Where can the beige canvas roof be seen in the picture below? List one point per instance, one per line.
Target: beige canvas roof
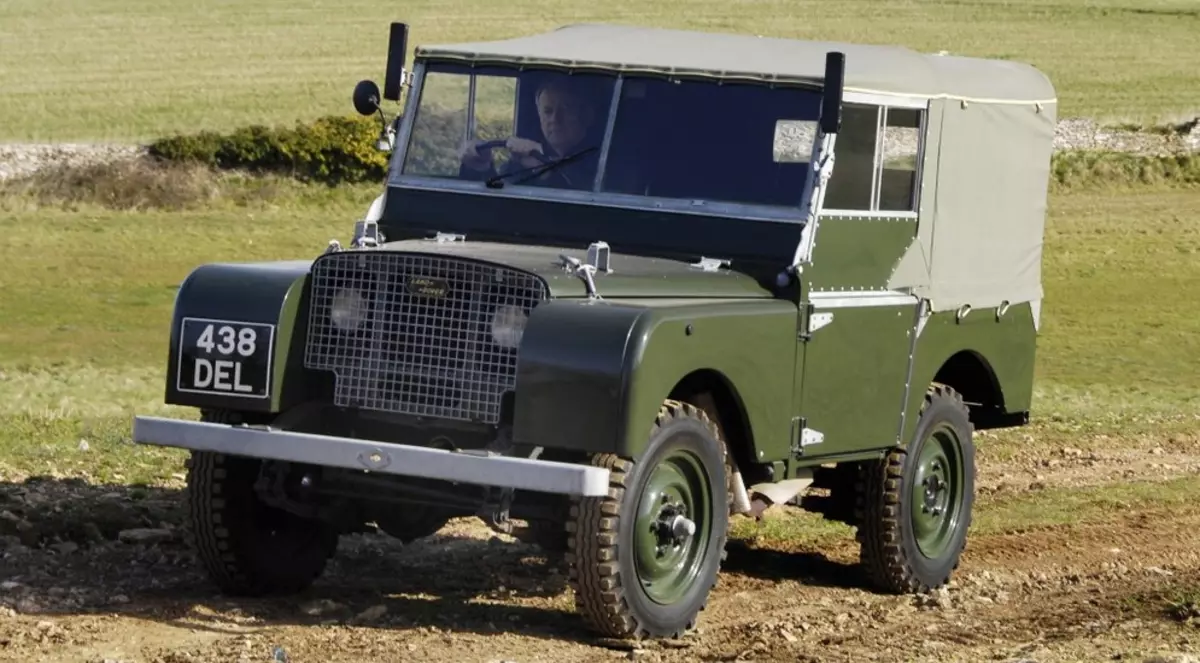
(869, 68)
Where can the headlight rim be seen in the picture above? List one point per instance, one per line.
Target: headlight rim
(358, 315)
(517, 319)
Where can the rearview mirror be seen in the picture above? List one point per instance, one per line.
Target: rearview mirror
(366, 97)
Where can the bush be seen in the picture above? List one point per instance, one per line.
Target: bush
(331, 149)
(1084, 169)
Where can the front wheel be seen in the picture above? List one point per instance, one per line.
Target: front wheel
(915, 504)
(249, 548)
(643, 560)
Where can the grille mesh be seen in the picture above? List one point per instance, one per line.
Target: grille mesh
(426, 346)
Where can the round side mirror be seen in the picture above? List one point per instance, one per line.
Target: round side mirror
(366, 97)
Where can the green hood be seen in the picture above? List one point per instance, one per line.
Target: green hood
(631, 276)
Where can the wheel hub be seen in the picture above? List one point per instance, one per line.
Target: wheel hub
(671, 527)
(935, 488)
(937, 492)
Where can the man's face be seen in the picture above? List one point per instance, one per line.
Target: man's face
(565, 118)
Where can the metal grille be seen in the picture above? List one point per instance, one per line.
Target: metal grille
(425, 345)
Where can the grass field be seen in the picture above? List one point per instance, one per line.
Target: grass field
(89, 292)
(123, 70)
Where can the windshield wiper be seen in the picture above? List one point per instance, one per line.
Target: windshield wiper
(497, 181)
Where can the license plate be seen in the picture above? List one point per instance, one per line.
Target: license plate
(226, 357)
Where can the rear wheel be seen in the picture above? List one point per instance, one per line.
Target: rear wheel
(915, 505)
(248, 547)
(643, 559)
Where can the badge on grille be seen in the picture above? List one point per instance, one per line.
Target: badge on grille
(428, 287)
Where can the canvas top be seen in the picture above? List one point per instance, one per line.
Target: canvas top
(659, 51)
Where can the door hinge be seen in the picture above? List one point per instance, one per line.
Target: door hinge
(813, 321)
(803, 436)
(809, 437)
(818, 320)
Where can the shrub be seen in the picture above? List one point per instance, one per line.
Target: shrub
(1084, 169)
(331, 149)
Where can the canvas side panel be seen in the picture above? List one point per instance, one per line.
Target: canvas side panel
(991, 204)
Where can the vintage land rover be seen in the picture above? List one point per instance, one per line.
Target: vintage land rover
(617, 290)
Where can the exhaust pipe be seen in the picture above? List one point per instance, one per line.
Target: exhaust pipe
(741, 498)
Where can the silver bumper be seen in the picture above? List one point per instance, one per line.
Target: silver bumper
(386, 458)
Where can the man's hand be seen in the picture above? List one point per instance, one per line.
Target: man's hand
(523, 148)
(471, 156)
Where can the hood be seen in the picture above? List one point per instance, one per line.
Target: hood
(630, 276)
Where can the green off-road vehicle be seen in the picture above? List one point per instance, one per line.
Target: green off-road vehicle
(617, 290)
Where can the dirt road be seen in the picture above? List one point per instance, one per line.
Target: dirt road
(1099, 591)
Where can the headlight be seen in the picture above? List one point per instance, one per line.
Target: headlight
(508, 324)
(349, 309)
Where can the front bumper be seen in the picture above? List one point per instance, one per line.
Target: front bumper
(382, 457)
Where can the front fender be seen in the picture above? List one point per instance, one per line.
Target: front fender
(592, 376)
(234, 334)
(570, 375)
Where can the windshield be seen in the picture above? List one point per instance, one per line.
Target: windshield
(671, 138)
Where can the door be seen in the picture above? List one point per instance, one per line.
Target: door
(856, 348)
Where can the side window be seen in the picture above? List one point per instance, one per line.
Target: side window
(495, 108)
(854, 166)
(900, 159)
(440, 126)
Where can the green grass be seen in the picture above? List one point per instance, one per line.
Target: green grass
(1121, 333)
(88, 296)
(136, 70)
(96, 286)
(87, 300)
(95, 448)
(1007, 515)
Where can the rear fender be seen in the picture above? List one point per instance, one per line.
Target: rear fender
(237, 338)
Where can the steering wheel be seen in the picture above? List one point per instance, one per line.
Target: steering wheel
(503, 142)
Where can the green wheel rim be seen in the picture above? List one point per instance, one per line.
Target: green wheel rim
(937, 491)
(668, 559)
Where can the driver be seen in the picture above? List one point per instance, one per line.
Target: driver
(566, 119)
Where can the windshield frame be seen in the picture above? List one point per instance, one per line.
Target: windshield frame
(701, 206)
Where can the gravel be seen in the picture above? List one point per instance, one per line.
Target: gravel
(1082, 133)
